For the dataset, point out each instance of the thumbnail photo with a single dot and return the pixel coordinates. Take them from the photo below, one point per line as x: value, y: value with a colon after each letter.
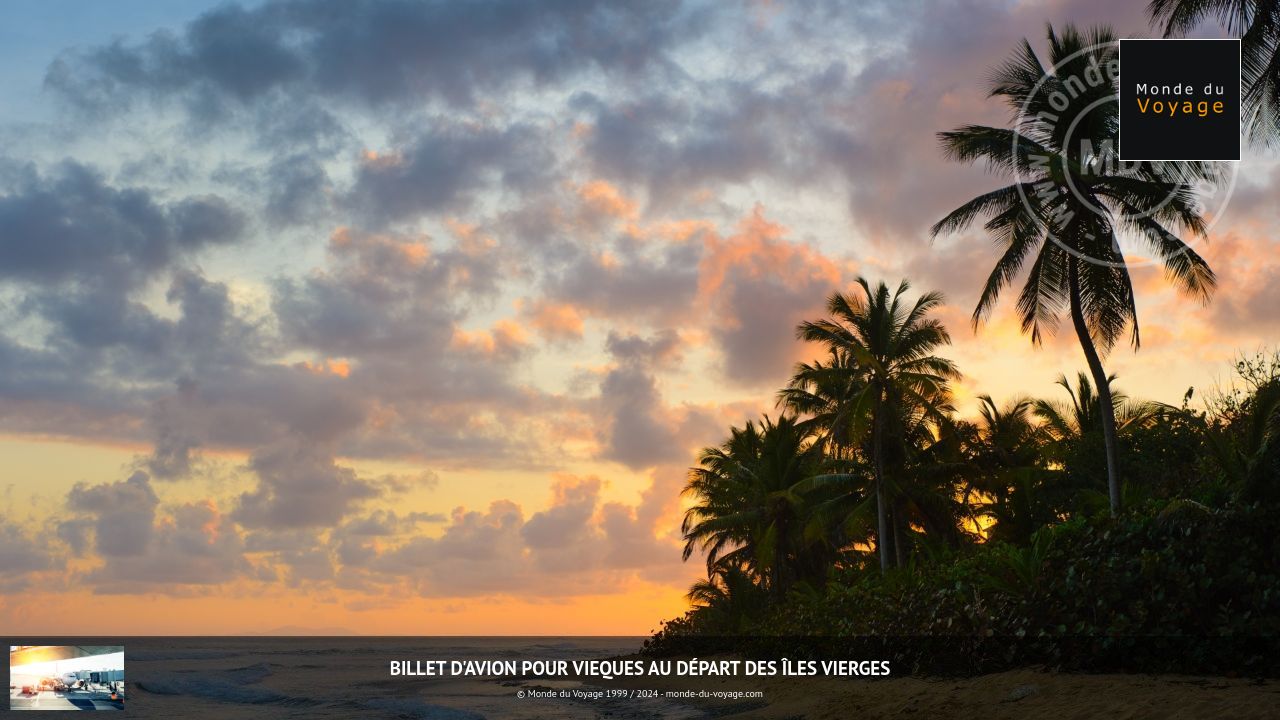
x: 66, y: 677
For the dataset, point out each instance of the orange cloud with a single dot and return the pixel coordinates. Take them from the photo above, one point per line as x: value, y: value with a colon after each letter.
x: 680, y: 230
x: 758, y: 249
x: 506, y: 338
x: 471, y: 241
x: 604, y: 198
x: 412, y: 251
x: 331, y: 366
x: 555, y: 320
x: 758, y: 286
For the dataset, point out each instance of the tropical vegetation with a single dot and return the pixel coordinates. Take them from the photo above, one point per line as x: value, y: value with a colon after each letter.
x: 1069, y: 203
x: 1257, y: 24
x: 1005, y: 549
x: 1088, y: 530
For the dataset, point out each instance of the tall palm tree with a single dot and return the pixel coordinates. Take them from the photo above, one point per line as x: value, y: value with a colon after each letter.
x: 1257, y: 24
x: 883, y: 344
x: 747, y: 513
x: 1070, y: 200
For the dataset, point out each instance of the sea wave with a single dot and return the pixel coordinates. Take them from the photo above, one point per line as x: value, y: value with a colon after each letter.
x: 237, y: 685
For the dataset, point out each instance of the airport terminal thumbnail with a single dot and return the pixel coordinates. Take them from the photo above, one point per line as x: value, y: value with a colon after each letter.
x: 66, y: 677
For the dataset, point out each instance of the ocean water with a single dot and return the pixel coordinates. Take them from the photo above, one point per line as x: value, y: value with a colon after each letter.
x: 243, y: 678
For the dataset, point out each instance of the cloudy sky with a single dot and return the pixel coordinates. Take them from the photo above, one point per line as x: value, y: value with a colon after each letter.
x: 405, y: 317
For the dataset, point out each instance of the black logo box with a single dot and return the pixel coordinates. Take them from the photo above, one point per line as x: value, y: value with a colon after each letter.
x: 1186, y: 63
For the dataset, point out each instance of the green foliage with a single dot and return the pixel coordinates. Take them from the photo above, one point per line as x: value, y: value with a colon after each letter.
x: 1001, y: 540
x: 748, y: 517
x: 1188, y: 580
x: 1243, y: 429
x: 1257, y: 24
x: 1060, y: 221
x: 1184, y: 589
x: 880, y: 399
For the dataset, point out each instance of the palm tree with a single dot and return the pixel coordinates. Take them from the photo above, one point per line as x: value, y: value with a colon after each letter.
x: 1257, y: 24
x: 727, y: 598
x: 1009, y: 469
x: 928, y: 475
x: 1083, y: 417
x: 748, y: 514
x: 1069, y: 202
x: 882, y: 345
x: 1007, y: 437
x: 823, y: 394
x: 925, y: 467
x: 1073, y: 429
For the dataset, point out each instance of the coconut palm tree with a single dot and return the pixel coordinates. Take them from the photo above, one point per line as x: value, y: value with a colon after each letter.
x: 823, y: 394
x: 724, y: 600
x: 1009, y: 469
x: 928, y: 474
x: 1007, y: 436
x: 1082, y: 416
x: 924, y: 469
x: 882, y: 346
x: 1257, y: 24
x: 747, y: 513
x: 1074, y: 428
x: 1070, y: 201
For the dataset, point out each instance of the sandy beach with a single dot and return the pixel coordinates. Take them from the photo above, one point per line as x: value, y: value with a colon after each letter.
x: 1016, y: 694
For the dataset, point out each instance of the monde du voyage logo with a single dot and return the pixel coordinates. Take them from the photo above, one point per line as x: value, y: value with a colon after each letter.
x: 1179, y: 100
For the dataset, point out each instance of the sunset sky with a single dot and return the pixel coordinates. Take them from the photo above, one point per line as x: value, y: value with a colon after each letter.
x: 408, y: 318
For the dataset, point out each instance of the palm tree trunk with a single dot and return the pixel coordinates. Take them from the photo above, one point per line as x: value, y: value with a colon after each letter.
x: 882, y: 511
x: 1106, y: 409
